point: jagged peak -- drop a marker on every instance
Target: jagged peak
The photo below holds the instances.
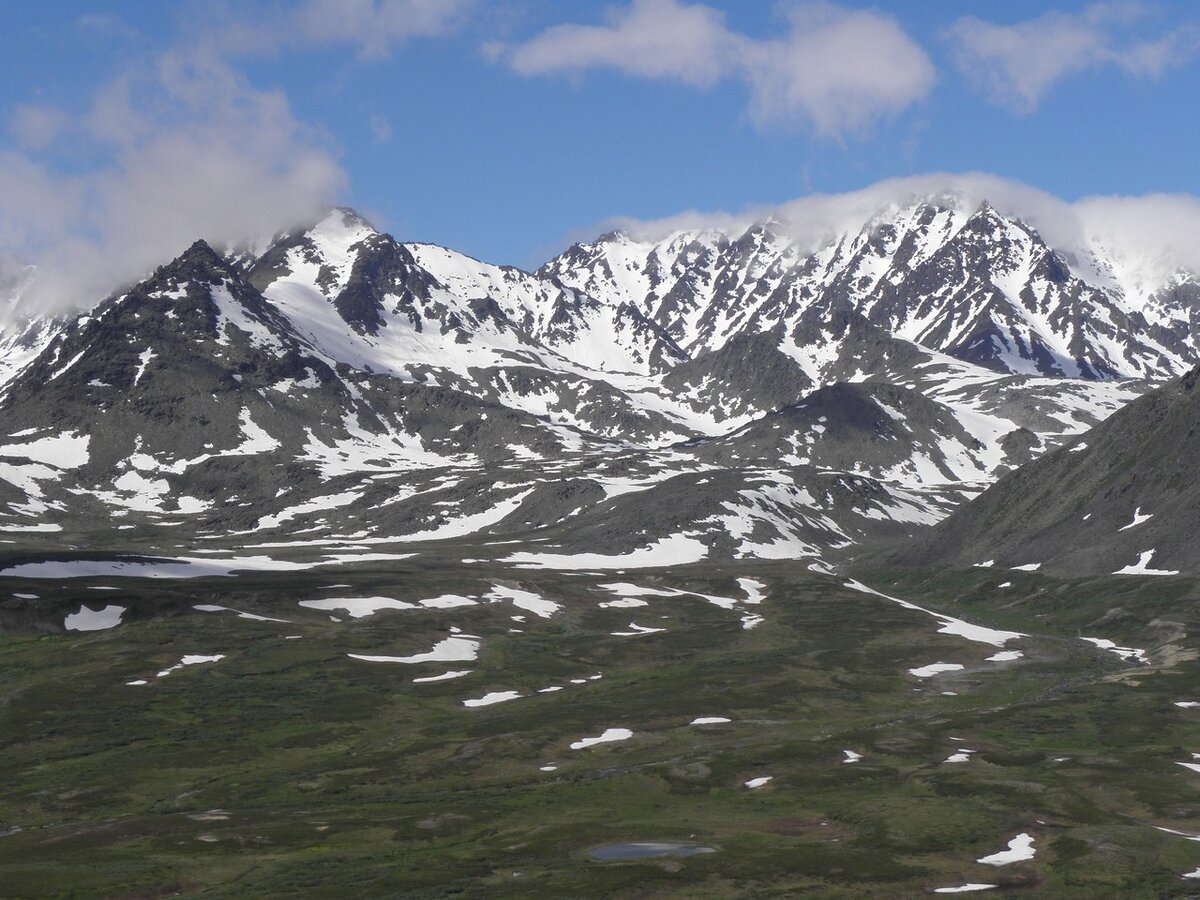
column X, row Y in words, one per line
column 342, row 225
column 350, row 218
column 199, row 262
column 615, row 236
column 771, row 227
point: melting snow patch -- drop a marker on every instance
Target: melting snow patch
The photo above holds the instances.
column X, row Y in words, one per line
column 961, row 756
column 190, row 661
column 143, row 361
column 1182, row 834
column 63, row 451
column 206, row 607
column 320, row 504
column 609, row 735
column 1142, row 567
column 710, row 720
column 254, row 439
column 447, row 601
column 1187, row 704
column 445, row 676
column 627, row 603
column 950, row 625
column 851, row 757
column 462, row 648
column 493, row 697
column 1005, row 656
column 1138, row 519
column 933, row 669
column 964, row 888
column 523, row 600
column 94, row 619
column 1019, row 848
column 1028, row 567
column 755, row 591
column 675, row 550
column 636, row 631
column 1123, row 652
column 181, row 567
column 758, row 782
column 357, row 607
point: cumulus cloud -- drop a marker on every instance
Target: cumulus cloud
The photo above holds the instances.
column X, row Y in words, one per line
column 1146, row 238
column 649, row 38
column 180, row 149
column 839, row 70
column 1017, row 65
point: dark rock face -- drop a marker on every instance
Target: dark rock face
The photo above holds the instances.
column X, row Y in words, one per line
column 867, row 427
column 748, row 373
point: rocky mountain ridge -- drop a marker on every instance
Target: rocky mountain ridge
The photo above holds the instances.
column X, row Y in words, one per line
column 709, row 395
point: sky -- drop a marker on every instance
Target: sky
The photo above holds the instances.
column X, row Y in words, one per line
column 509, row 128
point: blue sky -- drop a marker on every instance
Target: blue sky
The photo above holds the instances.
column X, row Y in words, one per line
column 506, row 129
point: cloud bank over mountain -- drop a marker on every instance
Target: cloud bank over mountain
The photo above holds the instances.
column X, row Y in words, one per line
column 184, row 149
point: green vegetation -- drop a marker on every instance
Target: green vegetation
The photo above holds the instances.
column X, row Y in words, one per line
column 288, row 769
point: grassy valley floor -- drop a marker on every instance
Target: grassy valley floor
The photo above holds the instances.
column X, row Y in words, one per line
column 289, row 768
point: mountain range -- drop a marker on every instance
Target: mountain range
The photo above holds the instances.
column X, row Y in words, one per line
column 703, row 394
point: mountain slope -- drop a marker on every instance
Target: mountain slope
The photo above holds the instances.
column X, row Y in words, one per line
column 727, row 395
column 1121, row 498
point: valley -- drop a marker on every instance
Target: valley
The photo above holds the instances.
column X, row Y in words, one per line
column 712, row 565
column 430, row 726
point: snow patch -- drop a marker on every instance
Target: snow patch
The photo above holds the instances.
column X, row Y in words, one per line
column 934, row 669
column 460, row 648
column 94, row 619
column 1142, row 567
column 1019, row 849
column 609, row 735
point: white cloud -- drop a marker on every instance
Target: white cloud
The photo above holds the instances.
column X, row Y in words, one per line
column 814, row 219
column 1147, row 238
column 839, row 70
column 649, row 38
column 843, row 70
column 1017, row 65
column 184, row 147
column 375, row 27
